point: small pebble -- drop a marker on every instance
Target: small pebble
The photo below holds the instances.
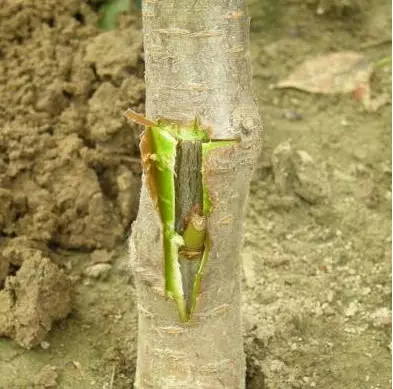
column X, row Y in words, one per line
column 100, row 270
column 352, row 309
column 293, row 115
column 45, row 345
column 382, row 317
column 101, row 256
column 365, row 291
column 344, row 122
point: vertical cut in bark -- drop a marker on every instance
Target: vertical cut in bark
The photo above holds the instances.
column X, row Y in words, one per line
column 188, row 183
column 197, row 65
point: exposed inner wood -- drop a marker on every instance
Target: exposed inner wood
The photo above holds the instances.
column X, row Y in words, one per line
column 189, row 195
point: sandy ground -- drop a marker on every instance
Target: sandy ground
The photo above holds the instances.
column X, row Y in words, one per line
column 317, row 249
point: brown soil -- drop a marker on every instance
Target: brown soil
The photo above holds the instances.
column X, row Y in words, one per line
column 318, row 234
column 68, row 177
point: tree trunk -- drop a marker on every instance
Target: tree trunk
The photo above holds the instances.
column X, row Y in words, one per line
column 197, row 65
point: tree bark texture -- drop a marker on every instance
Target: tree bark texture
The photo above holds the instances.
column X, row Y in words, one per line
column 197, row 65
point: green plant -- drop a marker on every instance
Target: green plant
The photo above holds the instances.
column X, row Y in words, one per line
column 110, row 10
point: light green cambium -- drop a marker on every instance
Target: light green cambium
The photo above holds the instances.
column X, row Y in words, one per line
column 110, row 10
column 164, row 138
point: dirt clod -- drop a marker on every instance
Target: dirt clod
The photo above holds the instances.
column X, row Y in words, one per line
column 64, row 141
column 115, row 53
column 33, row 299
column 100, row 270
column 101, row 256
column 46, row 378
column 296, row 171
column 68, row 172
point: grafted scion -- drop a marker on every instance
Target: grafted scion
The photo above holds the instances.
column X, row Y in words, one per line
column 174, row 162
column 177, row 160
column 190, row 221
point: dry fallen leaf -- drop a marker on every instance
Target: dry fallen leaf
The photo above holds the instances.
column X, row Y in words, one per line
column 341, row 72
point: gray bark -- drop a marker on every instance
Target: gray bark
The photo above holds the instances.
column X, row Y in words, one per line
column 197, row 64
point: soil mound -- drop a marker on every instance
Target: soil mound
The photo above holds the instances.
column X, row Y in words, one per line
column 69, row 174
